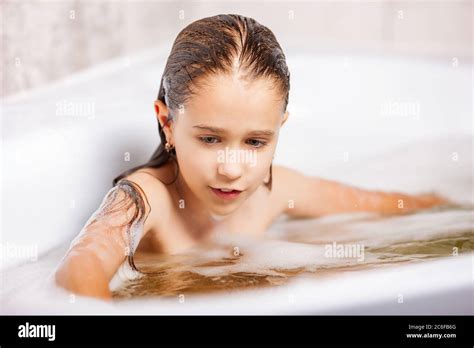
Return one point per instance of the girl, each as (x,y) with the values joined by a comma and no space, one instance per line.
(221,104)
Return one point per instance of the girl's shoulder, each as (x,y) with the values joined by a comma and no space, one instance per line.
(286,186)
(151,181)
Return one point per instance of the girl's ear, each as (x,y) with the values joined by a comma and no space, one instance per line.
(161,113)
(162,116)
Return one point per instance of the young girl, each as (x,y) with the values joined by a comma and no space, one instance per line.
(221,104)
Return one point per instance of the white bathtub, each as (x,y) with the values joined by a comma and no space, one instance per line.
(377,122)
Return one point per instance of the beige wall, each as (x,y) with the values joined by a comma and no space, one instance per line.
(43,41)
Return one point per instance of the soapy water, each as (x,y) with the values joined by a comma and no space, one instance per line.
(254,277)
(317,248)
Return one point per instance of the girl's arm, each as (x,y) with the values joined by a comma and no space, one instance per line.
(107,238)
(306,196)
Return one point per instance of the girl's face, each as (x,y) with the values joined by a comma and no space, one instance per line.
(225,138)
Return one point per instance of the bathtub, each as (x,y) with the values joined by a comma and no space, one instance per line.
(378,122)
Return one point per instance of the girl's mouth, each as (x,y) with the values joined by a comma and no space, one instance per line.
(226,194)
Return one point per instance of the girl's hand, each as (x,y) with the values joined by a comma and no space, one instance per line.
(421,201)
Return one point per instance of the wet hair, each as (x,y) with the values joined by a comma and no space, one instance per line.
(214,45)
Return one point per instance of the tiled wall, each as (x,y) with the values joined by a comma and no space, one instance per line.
(43,41)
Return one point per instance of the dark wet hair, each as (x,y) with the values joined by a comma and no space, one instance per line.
(210,46)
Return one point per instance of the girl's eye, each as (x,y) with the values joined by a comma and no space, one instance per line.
(209,140)
(256,143)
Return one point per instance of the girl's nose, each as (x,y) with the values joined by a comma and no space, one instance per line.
(230,170)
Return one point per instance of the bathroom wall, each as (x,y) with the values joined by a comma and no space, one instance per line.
(43,41)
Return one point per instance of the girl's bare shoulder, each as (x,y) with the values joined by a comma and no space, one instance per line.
(285,184)
(157,194)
